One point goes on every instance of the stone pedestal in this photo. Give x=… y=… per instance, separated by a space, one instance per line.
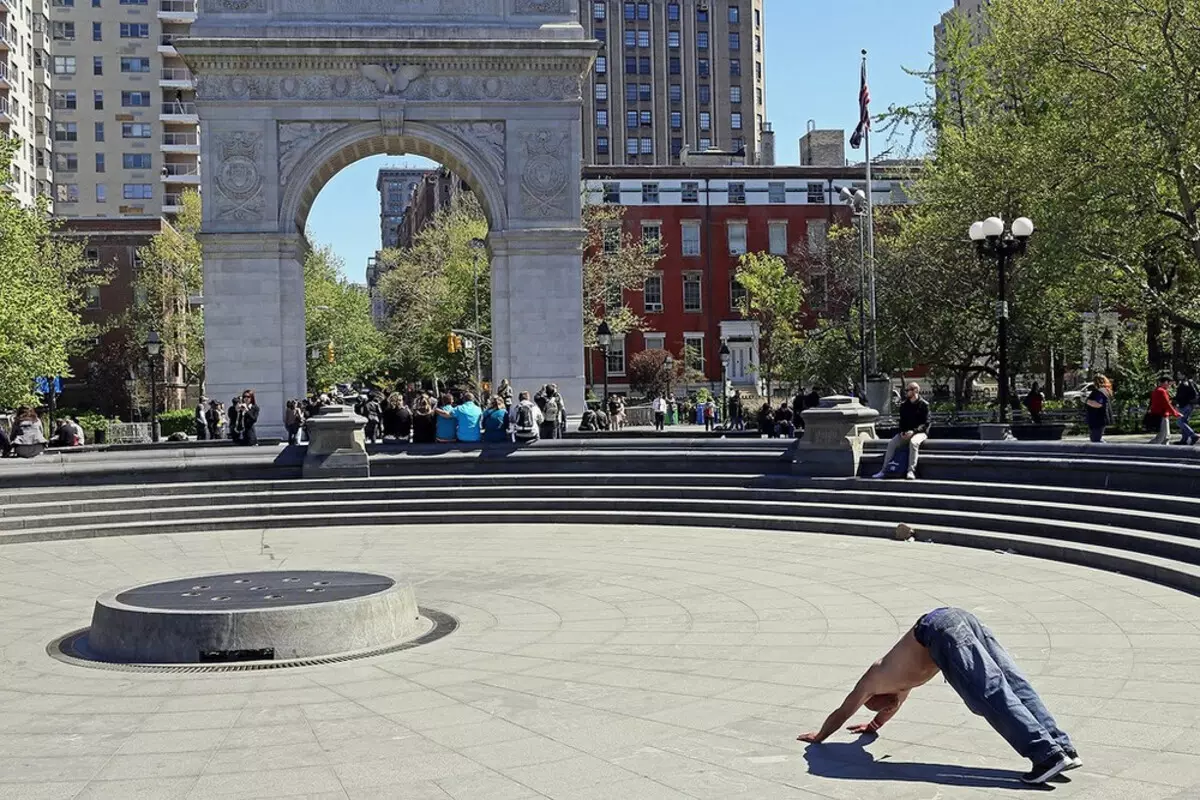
x=834 y=433
x=879 y=394
x=337 y=447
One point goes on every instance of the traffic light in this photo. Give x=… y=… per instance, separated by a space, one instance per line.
x=452 y=343
x=329 y=353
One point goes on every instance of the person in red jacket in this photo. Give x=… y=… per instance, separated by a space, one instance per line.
x=1161 y=411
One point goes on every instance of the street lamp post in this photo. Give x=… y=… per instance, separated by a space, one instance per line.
x=604 y=339
x=668 y=363
x=153 y=348
x=478 y=245
x=992 y=240
x=724 y=381
x=857 y=202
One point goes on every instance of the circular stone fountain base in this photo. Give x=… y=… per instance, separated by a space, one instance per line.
x=253 y=616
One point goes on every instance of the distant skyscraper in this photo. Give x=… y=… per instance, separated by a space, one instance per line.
x=395 y=188
x=971 y=10
x=25 y=62
x=674 y=74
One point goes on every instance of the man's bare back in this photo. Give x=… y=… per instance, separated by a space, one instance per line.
x=889 y=680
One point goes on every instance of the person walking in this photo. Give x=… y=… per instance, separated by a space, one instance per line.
x=1098 y=407
x=243 y=418
x=1034 y=402
x=1161 y=411
x=424 y=421
x=1186 y=395
x=914 y=430
x=200 y=420
x=293 y=420
x=659 y=407
x=957 y=644
x=447 y=425
x=526 y=419
x=495 y=421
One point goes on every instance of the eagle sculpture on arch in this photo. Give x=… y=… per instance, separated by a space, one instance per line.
x=392 y=78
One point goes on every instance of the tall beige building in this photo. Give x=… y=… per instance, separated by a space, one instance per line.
x=972 y=10
x=125 y=128
x=25 y=96
x=674 y=74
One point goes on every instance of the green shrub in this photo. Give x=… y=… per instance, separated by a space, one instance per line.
x=91 y=422
x=181 y=421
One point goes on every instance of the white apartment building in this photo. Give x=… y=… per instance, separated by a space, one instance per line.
x=25 y=96
x=125 y=126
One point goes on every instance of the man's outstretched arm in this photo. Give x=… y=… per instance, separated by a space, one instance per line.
x=853 y=702
x=883 y=716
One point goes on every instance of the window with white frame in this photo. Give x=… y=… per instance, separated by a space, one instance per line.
x=652 y=293
x=691 y=292
x=777 y=192
x=652 y=238
x=611 y=237
x=816 y=193
x=737 y=238
x=737 y=192
x=655 y=341
x=612 y=192
x=650 y=193
x=735 y=120
x=737 y=293
x=818 y=233
x=616 y=356
x=693 y=348
x=691 y=238
x=690 y=192
x=735 y=94
x=777 y=234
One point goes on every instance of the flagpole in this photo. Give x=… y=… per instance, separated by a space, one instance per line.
x=873 y=366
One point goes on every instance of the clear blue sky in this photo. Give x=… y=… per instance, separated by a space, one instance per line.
x=812 y=74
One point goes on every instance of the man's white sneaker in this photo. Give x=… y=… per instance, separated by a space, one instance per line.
x=910 y=476
x=1047 y=769
x=878 y=474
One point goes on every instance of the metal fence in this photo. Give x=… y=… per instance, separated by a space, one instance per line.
x=128 y=432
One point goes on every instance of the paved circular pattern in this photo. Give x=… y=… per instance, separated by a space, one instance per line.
x=247 y=591
x=599 y=662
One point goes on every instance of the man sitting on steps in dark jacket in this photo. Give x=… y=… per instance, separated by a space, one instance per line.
x=914 y=430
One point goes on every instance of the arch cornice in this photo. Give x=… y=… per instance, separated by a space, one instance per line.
x=441 y=142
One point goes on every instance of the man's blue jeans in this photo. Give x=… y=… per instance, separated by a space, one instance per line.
x=1185 y=412
x=985 y=677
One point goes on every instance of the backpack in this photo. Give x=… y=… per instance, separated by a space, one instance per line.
x=1186 y=394
x=551 y=409
x=523 y=420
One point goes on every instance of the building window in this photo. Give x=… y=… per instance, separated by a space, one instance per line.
x=135 y=99
x=652 y=237
x=690 y=192
x=650 y=193
x=734 y=15
x=777 y=233
x=693 y=351
x=757 y=18
x=737 y=192
x=735 y=66
x=675 y=67
x=652 y=294
x=616 y=356
x=63 y=31
x=101 y=193
x=66 y=162
x=630 y=11
x=737 y=238
x=98 y=99
x=643 y=38
x=64 y=65
x=702 y=14
x=673 y=39
x=672 y=12
x=818 y=232
x=602 y=145
x=647 y=146
x=602 y=118
x=135 y=130
x=132 y=3
x=705 y=121
x=135 y=64
x=675 y=93
x=647 y=119
x=735 y=120
x=97 y=65
x=91 y=293
x=63 y=3
x=735 y=41
x=631 y=92
x=737 y=293
x=676 y=146
x=137 y=191
x=601 y=35
x=612 y=193
x=99 y=162
x=655 y=341
x=601 y=65
x=599 y=9
x=136 y=160
x=676 y=120
x=66 y=192
x=691 y=238
x=645 y=93
x=777 y=192
x=99 y=131
x=631 y=146
x=757 y=43
x=704 y=94
x=631 y=119
x=64 y=101
x=644 y=65
x=705 y=144
x=816 y=193
x=631 y=65
x=735 y=94
x=602 y=91
x=610 y=238
x=702 y=40
x=702 y=67
x=643 y=11
x=631 y=38
x=135 y=30
x=757 y=71
x=691 y=291
x=66 y=132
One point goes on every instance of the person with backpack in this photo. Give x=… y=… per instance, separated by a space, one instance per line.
x=710 y=414
x=1161 y=411
x=526 y=419
x=552 y=411
x=1186 y=396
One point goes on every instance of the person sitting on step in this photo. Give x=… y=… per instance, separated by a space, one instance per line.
x=914 y=430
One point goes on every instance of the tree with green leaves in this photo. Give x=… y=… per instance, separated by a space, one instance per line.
x=338 y=324
x=774 y=298
x=171 y=272
x=430 y=290
x=45 y=284
x=615 y=261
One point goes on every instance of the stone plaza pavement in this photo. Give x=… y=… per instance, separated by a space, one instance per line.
x=598 y=662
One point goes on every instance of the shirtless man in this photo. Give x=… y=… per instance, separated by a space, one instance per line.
x=967 y=654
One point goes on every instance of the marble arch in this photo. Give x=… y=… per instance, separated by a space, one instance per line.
x=291 y=91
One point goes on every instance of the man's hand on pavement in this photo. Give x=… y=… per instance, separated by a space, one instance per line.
x=808 y=737
x=866 y=727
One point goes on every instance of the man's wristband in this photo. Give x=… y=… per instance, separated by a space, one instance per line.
x=873 y=726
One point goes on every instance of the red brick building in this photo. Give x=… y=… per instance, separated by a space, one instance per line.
x=706 y=218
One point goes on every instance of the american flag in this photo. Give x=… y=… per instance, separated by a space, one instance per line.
x=864 y=110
